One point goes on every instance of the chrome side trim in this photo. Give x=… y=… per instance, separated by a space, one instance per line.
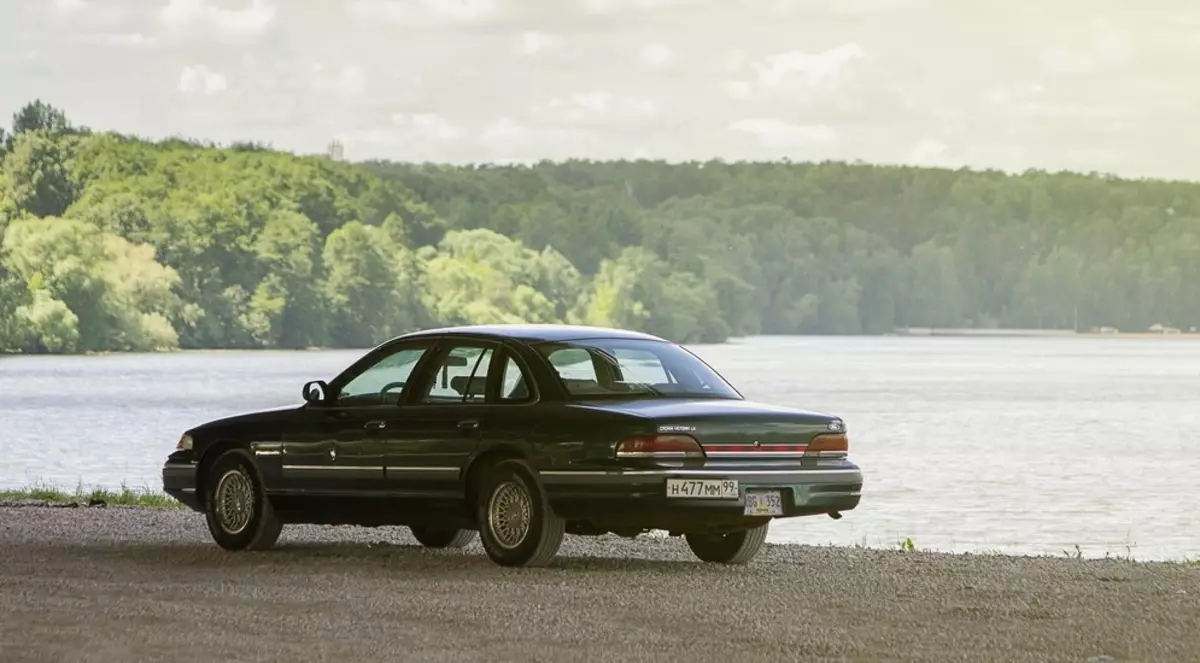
x=264 y=452
x=322 y=468
x=698 y=473
x=367 y=468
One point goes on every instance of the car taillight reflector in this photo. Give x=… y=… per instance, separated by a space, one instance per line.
x=663 y=446
x=828 y=444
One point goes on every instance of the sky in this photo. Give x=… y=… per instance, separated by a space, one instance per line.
x=1105 y=85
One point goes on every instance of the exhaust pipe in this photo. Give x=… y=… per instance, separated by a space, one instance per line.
x=836 y=515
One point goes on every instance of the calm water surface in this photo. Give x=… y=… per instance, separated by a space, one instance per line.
x=1015 y=445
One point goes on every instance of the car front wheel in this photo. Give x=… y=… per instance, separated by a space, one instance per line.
x=440 y=537
x=239 y=515
x=729 y=548
x=517 y=526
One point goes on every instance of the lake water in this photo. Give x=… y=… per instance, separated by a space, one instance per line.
x=1023 y=445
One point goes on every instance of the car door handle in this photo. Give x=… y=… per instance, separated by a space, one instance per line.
x=375 y=425
x=469 y=424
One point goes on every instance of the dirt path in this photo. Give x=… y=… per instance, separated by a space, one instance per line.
x=123 y=585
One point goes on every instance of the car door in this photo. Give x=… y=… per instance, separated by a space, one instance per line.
x=511 y=420
x=340 y=446
x=443 y=420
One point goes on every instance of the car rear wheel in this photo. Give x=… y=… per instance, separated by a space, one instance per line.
x=239 y=515
x=517 y=526
x=729 y=548
x=441 y=537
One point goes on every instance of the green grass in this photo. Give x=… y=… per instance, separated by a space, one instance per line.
x=126 y=496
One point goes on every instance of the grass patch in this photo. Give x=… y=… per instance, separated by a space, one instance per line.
x=126 y=496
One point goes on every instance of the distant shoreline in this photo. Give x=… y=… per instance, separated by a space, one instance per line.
x=1036 y=333
x=914 y=332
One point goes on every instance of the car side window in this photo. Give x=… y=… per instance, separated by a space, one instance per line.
x=460 y=377
x=514 y=383
x=383 y=381
x=575 y=368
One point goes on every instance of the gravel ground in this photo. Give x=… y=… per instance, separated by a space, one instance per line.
x=85 y=585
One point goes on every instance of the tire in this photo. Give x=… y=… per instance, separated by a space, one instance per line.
x=437 y=537
x=731 y=548
x=529 y=541
x=236 y=508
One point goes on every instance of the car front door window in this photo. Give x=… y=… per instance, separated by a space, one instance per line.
x=382 y=383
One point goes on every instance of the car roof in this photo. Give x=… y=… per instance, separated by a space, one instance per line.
x=536 y=332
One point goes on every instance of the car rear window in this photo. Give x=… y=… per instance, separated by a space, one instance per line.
x=622 y=368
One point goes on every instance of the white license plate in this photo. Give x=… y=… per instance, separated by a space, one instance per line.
x=722 y=489
x=764 y=504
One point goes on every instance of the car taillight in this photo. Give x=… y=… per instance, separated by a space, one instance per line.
x=828 y=444
x=659 y=446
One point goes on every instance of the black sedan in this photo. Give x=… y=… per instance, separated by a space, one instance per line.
x=522 y=433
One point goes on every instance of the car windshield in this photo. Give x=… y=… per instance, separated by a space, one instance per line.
x=621 y=368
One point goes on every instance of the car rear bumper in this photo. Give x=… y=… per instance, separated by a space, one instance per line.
x=179 y=481
x=639 y=497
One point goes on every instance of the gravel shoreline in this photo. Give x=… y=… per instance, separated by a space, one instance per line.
x=144 y=584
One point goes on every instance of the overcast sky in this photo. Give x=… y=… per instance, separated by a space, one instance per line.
x=1099 y=85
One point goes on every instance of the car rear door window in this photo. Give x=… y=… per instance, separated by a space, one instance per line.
x=515 y=386
x=460 y=377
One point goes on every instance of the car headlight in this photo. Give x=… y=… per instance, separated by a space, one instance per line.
x=185 y=443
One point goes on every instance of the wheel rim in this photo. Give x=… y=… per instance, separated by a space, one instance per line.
x=509 y=514
x=233 y=501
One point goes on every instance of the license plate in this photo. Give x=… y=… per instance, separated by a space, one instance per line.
x=722 y=489
x=764 y=504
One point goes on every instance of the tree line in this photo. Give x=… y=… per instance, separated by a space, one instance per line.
x=111 y=242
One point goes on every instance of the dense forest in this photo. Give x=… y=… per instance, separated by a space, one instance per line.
x=110 y=242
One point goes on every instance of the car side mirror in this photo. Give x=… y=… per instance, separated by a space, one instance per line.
x=315 y=392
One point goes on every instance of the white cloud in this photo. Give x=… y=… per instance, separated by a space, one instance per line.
x=511 y=141
x=350 y=80
x=739 y=89
x=1068 y=61
x=797 y=75
x=929 y=152
x=428 y=125
x=91 y=13
x=505 y=133
x=852 y=7
x=185 y=16
x=655 y=55
x=821 y=70
x=428 y=13
x=200 y=81
x=67 y=7
x=1106 y=48
x=729 y=63
x=777 y=133
x=604 y=7
x=116 y=39
x=596 y=106
x=538 y=43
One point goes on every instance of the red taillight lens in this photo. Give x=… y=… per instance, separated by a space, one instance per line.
x=828 y=444
x=661 y=446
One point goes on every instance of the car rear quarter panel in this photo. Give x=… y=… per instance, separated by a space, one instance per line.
x=568 y=437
